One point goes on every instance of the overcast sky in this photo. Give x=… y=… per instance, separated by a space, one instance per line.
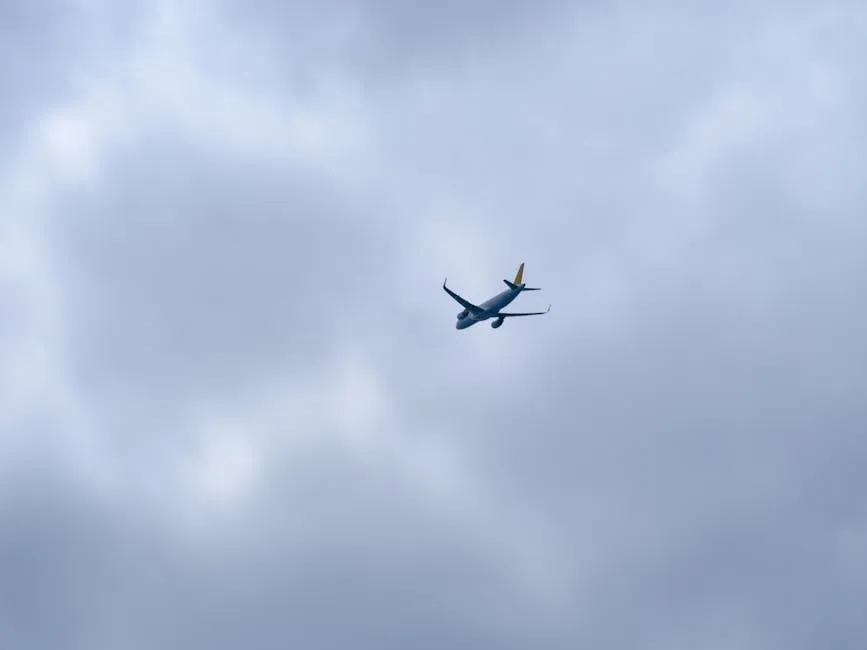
x=235 y=412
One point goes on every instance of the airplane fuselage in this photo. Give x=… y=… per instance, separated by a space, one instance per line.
x=491 y=307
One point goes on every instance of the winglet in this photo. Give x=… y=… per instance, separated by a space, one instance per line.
x=520 y=275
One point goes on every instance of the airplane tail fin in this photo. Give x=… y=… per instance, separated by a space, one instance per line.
x=518 y=285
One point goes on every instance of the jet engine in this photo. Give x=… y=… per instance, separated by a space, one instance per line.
x=462 y=315
x=497 y=322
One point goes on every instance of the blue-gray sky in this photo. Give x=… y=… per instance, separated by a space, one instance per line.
x=235 y=412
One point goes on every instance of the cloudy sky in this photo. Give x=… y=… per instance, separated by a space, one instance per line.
x=235 y=412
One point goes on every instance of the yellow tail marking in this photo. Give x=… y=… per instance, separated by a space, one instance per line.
x=520 y=275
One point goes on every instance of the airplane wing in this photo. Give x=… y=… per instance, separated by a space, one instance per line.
x=466 y=304
x=505 y=314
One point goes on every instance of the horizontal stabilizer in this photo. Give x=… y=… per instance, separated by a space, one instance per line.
x=518 y=287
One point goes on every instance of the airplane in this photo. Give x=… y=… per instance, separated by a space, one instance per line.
x=473 y=314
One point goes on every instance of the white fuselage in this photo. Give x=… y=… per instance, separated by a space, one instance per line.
x=491 y=307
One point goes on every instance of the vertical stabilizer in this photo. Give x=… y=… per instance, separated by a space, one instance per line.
x=519 y=277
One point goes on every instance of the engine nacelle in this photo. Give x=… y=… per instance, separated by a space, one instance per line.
x=497 y=323
x=462 y=315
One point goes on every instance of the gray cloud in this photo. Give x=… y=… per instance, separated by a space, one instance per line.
x=49 y=48
x=242 y=415
x=206 y=282
x=380 y=39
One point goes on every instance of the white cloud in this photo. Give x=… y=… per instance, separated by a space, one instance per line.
x=345 y=404
x=603 y=491
x=224 y=470
x=162 y=81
